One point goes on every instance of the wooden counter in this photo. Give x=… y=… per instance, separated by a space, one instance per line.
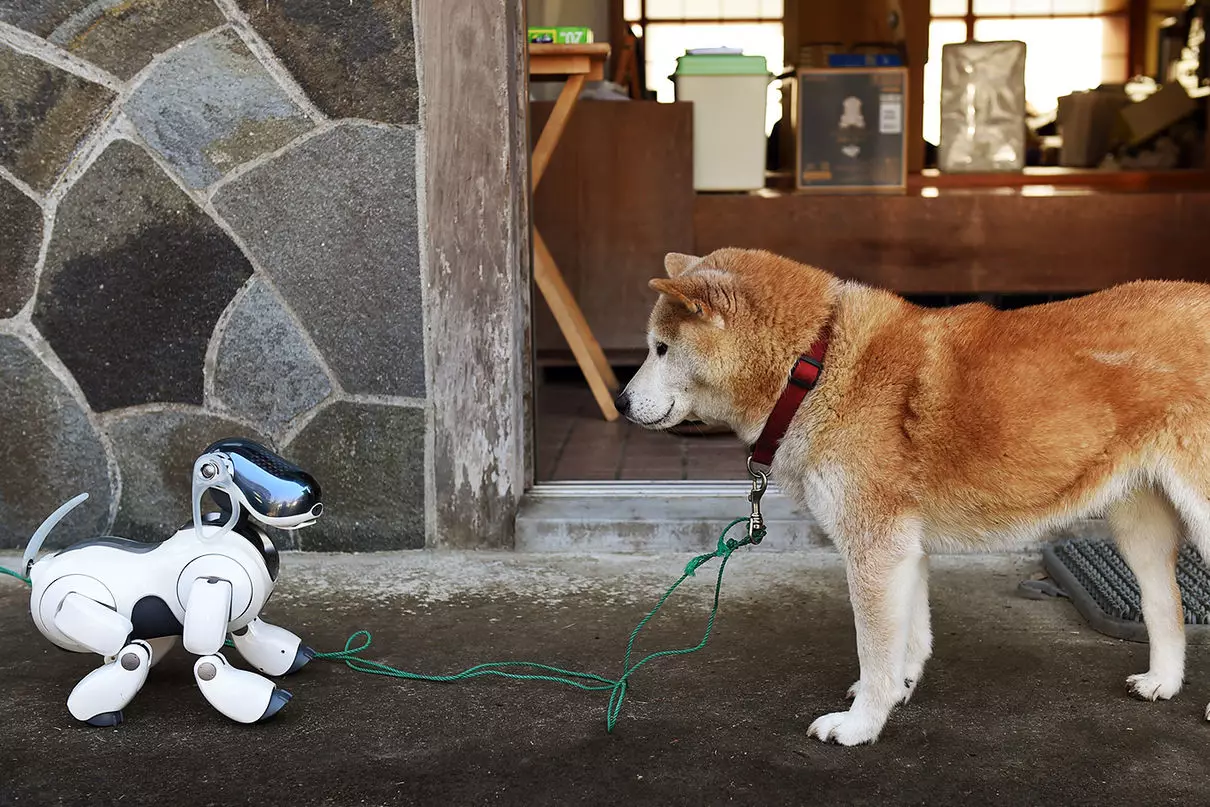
x=1039 y=237
x=972 y=241
x=617 y=196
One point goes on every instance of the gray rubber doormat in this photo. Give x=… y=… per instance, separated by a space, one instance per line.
x=1103 y=589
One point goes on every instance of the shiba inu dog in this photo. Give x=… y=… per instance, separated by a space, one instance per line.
x=961 y=428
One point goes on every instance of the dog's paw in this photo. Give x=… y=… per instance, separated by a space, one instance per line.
x=1150 y=686
x=845 y=728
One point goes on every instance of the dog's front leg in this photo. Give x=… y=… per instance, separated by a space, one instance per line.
x=884 y=571
x=919 y=637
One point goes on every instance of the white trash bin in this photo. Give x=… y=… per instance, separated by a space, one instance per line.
x=729 y=95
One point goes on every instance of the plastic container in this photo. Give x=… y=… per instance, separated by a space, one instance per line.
x=729 y=93
x=982 y=107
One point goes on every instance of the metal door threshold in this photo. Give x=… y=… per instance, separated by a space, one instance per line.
x=659 y=516
x=652 y=517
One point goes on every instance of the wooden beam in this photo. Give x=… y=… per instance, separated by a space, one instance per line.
x=791 y=33
x=554 y=127
x=1077 y=179
x=475 y=258
x=915 y=33
x=619 y=34
x=1136 y=45
x=584 y=346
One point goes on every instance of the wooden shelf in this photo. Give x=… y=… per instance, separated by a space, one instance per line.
x=1030 y=182
x=557 y=62
x=1072 y=178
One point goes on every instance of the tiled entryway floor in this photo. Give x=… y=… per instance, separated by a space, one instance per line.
x=575 y=443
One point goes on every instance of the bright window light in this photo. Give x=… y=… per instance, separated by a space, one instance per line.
x=1062 y=54
x=666 y=41
x=941 y=32
x=706 y=9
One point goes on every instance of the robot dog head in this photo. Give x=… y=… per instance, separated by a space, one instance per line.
x=268 y=488
x=246 y=479
x=271 y=490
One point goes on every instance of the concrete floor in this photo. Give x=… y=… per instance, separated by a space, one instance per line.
x=1022 y=704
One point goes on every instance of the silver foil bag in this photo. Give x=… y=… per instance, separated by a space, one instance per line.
x=982 y=107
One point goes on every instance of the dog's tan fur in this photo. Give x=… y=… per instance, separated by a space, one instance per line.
x=957 y=428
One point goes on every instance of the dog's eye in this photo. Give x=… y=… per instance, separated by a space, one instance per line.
x=660 y=348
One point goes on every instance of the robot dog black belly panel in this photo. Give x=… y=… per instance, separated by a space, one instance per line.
x=152 y=618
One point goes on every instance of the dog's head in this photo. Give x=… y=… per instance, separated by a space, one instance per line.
x=722 y=337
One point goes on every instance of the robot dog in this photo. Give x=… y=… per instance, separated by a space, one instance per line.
x=130 y=601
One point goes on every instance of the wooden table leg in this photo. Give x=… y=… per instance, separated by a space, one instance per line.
x=584 y=346
x=553 y=129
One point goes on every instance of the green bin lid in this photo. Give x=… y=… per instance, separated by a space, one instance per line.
x=721 y=64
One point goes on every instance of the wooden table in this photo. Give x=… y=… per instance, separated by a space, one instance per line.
x=576 y=64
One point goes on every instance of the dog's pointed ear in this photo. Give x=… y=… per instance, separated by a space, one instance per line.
x=677 y=263
x=710 y=294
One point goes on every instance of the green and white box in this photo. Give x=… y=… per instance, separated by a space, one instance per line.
x=561 y=35
x=729 y=93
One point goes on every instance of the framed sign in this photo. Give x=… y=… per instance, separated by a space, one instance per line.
x=851 y=129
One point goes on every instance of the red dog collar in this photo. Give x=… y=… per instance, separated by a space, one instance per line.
x=803 y=378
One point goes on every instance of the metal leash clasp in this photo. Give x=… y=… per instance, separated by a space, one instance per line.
x=756 y=521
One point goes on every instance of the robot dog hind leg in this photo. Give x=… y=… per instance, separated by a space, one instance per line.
x=102 y=695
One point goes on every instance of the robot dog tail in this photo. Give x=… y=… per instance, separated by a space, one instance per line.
x=35 y=543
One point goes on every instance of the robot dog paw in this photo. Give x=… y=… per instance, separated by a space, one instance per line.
x=242 y=696
x=302 y=657
x=105 y=720
x=271 y=650
x=277 y=702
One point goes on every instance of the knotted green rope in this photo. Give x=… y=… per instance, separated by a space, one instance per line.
x=589 y=682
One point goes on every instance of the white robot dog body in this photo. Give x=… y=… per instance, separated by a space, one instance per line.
x=130 y=602
x=148 y=584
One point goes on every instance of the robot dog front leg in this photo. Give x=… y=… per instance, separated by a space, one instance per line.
x=270 y=649
x=243 y=696
x=100 y=697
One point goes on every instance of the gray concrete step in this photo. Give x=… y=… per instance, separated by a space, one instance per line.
x=653 y=517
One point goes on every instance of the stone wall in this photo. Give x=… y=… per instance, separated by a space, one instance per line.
x=208 y=228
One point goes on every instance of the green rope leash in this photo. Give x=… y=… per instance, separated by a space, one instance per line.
x=17 y=575
x=588 y=682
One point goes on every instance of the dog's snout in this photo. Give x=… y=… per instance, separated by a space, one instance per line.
x=623 y=403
